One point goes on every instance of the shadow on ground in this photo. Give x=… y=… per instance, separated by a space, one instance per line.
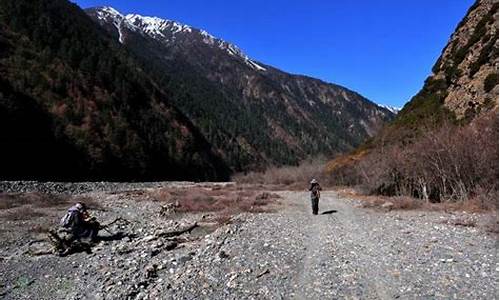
x=328 y=212
x=115 y=236
x=86 y=246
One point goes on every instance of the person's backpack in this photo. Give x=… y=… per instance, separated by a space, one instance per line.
x=315 y=190
x=68 y=219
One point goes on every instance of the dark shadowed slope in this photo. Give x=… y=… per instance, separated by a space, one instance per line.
x=74 y=104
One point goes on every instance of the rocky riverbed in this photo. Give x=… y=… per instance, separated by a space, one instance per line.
x=347 y=252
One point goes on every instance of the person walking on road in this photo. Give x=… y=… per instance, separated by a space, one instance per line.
x=315 y=189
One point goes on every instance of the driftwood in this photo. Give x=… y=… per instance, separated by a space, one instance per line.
x=171 y=245
x=177 y=232
x=168 y=208
x=58 y=242
x=64 y=246
x=117 y=220
x=173 y=238
x=61 y=244
x=40 y=252
x=266 y=271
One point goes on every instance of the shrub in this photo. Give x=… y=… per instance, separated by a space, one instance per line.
x=490 y=82
x=405 y=202
x=449 y=164
x=480 y=31
x=290 y=176
x=490 y=50
x=227 y=201
x=22 y=214
x=492 y=225
x=12 y=200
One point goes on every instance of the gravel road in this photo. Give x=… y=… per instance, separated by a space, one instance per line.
x=346 y=252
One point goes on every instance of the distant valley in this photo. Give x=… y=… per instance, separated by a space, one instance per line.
x=100 y=95
x=254 y=114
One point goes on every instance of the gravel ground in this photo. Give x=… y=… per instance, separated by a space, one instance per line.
x=75 y=188
x=346 y=253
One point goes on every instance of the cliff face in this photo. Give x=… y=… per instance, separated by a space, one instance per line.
x=469 y=62
x=463 y=83
x=443 y=145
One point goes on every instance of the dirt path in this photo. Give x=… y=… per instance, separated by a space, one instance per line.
x=322 y=232
x=346 y=252
x=319 y=246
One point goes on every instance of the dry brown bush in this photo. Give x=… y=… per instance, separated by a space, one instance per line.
x=90 y=202
x=21 y=214
x=40 y=228
x=395 y=203
x=481 y=199
x=228 y=201
x=404 y=202
x=372 y=203
x=465 y=222
x=457 y=164
x=222 y=218
x=292 y=177
x=492 y=224
x=197 y=202
x=12 y=200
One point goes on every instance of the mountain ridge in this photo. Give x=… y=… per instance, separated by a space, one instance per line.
x=289 y=117
x=84 y=98
x=155 y=26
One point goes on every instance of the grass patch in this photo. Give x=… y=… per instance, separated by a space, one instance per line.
x=40 y=228
x=479 y=204
x=391 y=203
x=39 y=200
x=289 y=177
x=492 y=225
x=465 y=222
x=490 y=82
x=22 y=214
x=228 y=201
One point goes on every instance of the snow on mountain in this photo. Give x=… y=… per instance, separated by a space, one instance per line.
x=167 y=31
x=156 y=27
x=116 y=17
x=106 y=11
x=392 y=109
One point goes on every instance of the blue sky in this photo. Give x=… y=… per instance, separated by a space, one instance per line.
x=383 y=49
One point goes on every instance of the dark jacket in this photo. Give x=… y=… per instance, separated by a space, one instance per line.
x=79 y=227
x=315 y=188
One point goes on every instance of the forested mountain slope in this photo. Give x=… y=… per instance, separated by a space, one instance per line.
x=254 y=114
x=74 y=104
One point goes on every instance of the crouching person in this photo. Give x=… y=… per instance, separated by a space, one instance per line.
x=80 y=224
x=78 y=231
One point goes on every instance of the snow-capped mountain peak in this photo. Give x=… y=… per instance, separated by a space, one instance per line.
x=392 y=109
x=167 y=31
x=155 y=26
x=107 y=11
